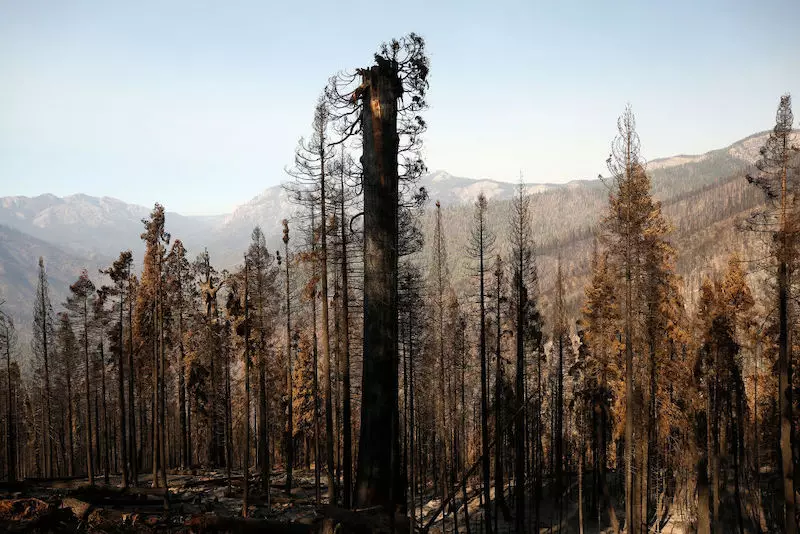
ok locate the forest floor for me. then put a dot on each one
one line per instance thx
(198, 501)
(550, 518)
(202, 501)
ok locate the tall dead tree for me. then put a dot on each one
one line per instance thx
(181, 296)
(119, 274)
(262, 310)
(523, 266)
(132, 449)
(42, 348)
(559, 338)
(378, 463)
(345, 165)
(8, 338)
(625, 225)
(289, 388)
(499, 486)
(379, 107)
(246, 334)
(779, 158)
(440, 282)
(481, 242)
(311, 187)
(78, 304)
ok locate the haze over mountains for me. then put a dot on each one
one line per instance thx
(82, 231)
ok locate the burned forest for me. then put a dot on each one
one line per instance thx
(379, 358)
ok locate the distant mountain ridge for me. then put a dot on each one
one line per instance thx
(81, 230)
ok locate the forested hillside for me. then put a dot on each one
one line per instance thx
(92, 228)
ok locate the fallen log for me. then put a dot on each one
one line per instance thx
(34, 515)
(22, 509)
(79, 508)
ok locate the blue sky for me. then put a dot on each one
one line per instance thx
(199, 105)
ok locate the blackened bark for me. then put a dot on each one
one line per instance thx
(785, 398)
(106, 441)
(121, 393)
(485, 393)
(289, 437)
(246, 482)
(326, 340)
(703, 519)
(11, 446)
(263, 439)
(499, 496)
(89, 457)
(378, 452)
(347, 436)
(132, 451)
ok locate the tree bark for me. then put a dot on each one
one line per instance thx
(289, 423)
(11, 444)
(378, 466)
(499, 487)
(703, 519)
(326, 341)
(246, 483)
(785, 398)
(347, 436)
(121, 393)
(106, 451)
(132, 450)
(485, 394)
(89, 456)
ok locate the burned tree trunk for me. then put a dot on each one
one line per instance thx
(121, 392)
(346, 405)
(378, 465)
(246, 477)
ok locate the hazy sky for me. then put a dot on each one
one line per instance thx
(199, 105)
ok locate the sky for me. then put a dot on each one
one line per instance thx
(199, 105)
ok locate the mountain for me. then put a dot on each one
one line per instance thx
(452, 190)
(91, 226)
(19, 260)
(702, 194)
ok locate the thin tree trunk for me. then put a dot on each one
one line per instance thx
(785, 399)
(121, 394)
(263, 436)
(48, 394)
(246, 482)
(162, 422)
(70, 431)
(185, 455)
(412, 429)
(132, 449)
(106, 441)
(154, 402)
(289, 423)
(346, 408)
(484, 396)
(11, 446)
(581, 460)
(326, 342)
(499, 488)
(89, 458)
(703, 519)
(228, 418)
(315, 392)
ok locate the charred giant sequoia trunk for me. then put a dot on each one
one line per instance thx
(378, 453)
